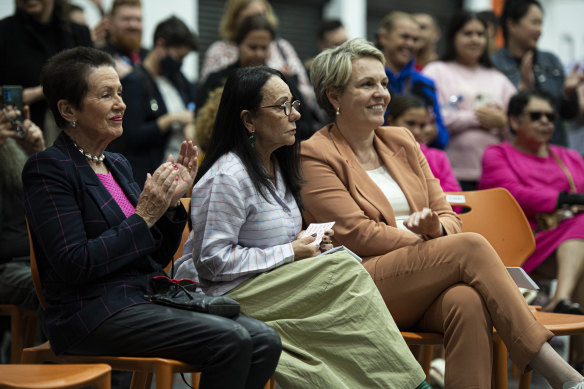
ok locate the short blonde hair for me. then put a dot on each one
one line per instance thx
(332, 68)
(228, 25)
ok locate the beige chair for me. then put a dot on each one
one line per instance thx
(97, 376)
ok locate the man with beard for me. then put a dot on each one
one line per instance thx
(125, 35)
(159, 101)
(16, 286)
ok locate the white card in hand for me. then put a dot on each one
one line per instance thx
(318, 229)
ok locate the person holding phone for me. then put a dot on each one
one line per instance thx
(15, 147)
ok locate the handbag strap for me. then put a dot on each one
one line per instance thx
(566, 171)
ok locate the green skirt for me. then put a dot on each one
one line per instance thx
(335, 328)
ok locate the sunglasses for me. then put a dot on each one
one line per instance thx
(536, 115)
(286, 106)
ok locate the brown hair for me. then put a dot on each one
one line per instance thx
(122, 3)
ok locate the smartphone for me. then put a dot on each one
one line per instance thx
(12, 95)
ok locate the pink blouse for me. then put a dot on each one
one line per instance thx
(117, 193)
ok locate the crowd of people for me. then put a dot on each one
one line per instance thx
(110, 135)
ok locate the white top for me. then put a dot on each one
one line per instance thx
(394, 194)
(237, 233)
(174, 103)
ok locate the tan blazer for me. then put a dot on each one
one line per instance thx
(338, 189)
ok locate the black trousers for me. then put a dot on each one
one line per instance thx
(233, 353)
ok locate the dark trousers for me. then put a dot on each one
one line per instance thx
(233, 353)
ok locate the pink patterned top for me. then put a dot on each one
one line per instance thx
(117, 193)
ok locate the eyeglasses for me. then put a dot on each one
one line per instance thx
(536, 115)
(286, 106)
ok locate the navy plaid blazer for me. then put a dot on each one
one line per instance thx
(92, 260)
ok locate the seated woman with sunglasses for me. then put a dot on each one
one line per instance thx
(545, 179)
(246, 243)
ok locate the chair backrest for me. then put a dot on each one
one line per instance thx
(36, 278)
(496, 215)
(186, 202)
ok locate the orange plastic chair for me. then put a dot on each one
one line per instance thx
(495, 214)
(97, 376)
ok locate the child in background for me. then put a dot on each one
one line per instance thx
(411, 112)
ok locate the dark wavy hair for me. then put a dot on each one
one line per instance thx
(456, 23)
(514, 10)
(64, 76)
(243, 91)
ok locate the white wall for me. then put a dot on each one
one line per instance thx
(154, 12)
(351, 13)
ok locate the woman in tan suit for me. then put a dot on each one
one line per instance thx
(376, 184)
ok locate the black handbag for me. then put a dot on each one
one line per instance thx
(181, 294)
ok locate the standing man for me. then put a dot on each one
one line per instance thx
(159, 100)
(125, 35)
(398, 38)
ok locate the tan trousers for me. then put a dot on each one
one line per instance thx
(458, 286)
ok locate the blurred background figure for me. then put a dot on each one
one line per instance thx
(36, 31)
(253, 38)
(412, 113)
(398, 39)
(548, 180)
(16, 286)
(282, 56)
(428, 39)
(473, 96)
(528, 67)
(331, 33)
(160, 101)
(124, 38)
(492, 22)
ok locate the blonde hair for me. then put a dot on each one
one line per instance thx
(205, 120)
(332, 68)
(229, 24)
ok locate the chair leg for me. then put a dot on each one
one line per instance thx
(196, 378)
(499, 363)
(103, 382)
(271, 384)
(16, 335)
(164, 377)
(427, 355)
(525, 380)
(141, 380)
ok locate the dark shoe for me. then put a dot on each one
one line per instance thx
(566, 306)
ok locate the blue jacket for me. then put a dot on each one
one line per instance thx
(411, 82)
(92, 260)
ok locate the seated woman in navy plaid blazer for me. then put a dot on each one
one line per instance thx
(99, 240)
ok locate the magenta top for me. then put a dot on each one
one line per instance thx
(117, 193)
(536, 182)
(441, 168)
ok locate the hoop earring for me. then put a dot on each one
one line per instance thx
(74, 124)
(251, 138)
(338, 111)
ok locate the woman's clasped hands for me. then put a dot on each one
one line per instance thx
(306, 248)
(425, 222)
(168, 184)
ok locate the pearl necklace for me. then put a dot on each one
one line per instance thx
(91, 157)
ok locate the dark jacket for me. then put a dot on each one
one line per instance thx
(25, 46)
(549, 76)
(92, 260)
